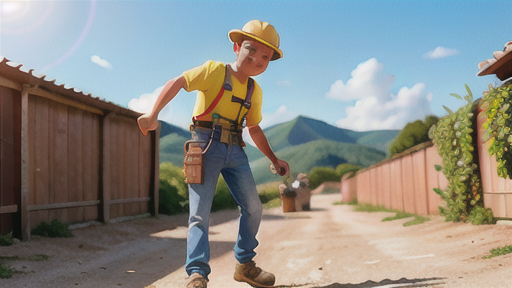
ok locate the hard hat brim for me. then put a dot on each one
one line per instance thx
(236, 34)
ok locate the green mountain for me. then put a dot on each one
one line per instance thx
(303, 130)
(318, 153)
(303, 142)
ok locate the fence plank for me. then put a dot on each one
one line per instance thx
(396, 185)
(408, 184)
(59, 159)
(434, 180)
(75, 163)
(7, 163)
(132, 156)
(386, 185)
(106, 138)
(420, 183)
(144, 168)
(90, 163)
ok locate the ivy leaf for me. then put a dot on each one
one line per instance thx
(448, 109)
(439, 192)
(469, 93)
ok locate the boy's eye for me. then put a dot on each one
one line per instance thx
(250, 49)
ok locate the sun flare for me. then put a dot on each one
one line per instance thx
(13, 9)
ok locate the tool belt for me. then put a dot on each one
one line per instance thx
(193, 161)
(229, 134)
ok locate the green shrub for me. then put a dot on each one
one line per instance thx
(173, 191)
(412, 134)
(343, 169)
(497, 104)
(319, 175)
(55, 229)
(268, 194)
(456, 139)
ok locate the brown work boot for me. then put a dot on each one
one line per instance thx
(253, 275)
(197, 281)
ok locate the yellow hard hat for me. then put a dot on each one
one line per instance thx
(261, 32)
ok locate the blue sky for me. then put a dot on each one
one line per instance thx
(360, 65)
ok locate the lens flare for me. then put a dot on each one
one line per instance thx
(12, 10)
(80, 39)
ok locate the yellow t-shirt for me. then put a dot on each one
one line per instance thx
(208, 79)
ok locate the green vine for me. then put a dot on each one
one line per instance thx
(456, 138)
(497, 104)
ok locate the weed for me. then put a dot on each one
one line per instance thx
(399, 214)
(55, 229)
(35, 258)
(6, 240)
(353, 203)
(499, 251)
(5, 271)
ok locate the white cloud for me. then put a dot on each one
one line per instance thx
(376, 107)
(440, 52)
(173, 112)
(367, 79)
(101, 62)
(281, 115)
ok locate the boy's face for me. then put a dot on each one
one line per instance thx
(253, 57)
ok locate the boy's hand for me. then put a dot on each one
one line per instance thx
(281, 167)
(147, 123)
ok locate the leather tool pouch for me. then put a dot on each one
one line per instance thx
(193, 163)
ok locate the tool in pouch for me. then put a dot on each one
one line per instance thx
(193, 161)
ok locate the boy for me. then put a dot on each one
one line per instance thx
(227, 100)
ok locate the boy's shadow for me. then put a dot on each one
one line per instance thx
(427, 282)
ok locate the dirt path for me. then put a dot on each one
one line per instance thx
(331, 246)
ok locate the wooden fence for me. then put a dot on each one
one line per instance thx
(404, 182)
(76, 158)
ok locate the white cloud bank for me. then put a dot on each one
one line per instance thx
(101, 62)
(440, 52)
(376, 108)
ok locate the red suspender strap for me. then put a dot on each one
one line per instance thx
(214, 103)
(226, 85)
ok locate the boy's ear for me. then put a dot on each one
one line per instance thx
(236, 47)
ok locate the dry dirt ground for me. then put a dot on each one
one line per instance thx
(331, 246)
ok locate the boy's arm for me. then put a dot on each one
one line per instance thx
(149, 121)
(261, 142)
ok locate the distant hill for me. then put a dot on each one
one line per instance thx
(318, 153)
(303, 130)
(303, 142)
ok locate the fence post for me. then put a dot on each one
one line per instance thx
(106, 167)
(25, 212)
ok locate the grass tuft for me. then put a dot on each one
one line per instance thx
(399, 214)
(499, 251)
